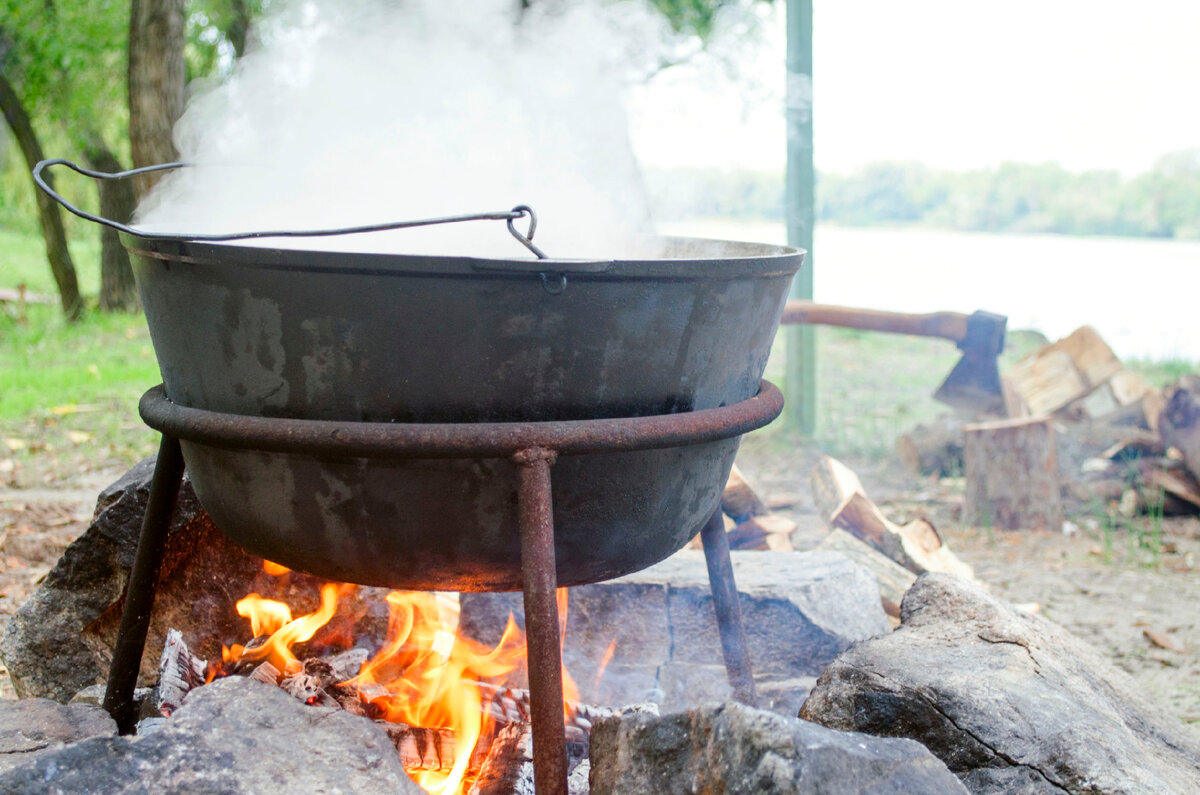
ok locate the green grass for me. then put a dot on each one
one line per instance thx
(23, 261)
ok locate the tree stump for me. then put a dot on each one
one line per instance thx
(1012, 474)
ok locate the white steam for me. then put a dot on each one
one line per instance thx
(353, 113)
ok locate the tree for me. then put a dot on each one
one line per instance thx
(156, 82)
(49, 216)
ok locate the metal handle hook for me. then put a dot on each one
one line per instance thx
(520, 211)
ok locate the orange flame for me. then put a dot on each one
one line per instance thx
(274, 569)
(423, 677)
(604, 661)
(426, 674)
(268, 616)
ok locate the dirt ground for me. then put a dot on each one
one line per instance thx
(1130, 590)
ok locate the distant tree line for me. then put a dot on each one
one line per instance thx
(1163, 202)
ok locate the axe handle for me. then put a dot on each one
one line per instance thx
(948, 325)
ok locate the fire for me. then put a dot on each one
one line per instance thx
(426, 675)
(275, 618)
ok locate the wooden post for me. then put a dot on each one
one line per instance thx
(1012, 474)
(800, 380)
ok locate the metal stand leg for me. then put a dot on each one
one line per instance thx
(729, 612)
(139, 598)
(542, 641)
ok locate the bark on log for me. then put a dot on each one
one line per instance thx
(510, 750)
(1012, 475)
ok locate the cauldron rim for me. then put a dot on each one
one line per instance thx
(734, 259)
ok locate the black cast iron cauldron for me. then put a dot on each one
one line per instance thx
(300, 334)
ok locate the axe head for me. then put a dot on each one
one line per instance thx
(973, 386)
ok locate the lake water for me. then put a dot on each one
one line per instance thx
(1143, 296)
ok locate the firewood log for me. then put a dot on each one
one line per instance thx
(1012, 474)
(1179, 422)
(739, 499)
(178, 672)
(894, 580)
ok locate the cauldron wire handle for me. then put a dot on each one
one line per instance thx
(509, 216)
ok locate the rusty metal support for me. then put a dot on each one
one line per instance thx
(543, 645)
(139, 597)
(398, 440)
(728, 610)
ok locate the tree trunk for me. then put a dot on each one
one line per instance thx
(239, 27)
(118, 292)
(48, 213)
(156, 82)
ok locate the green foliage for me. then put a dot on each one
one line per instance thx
(696, 17)
(1021, 197)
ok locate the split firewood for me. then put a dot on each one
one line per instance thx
(935, 448)
(178, 672)
(1011, 469)
(894, 580)
(1065, 371)
(422, 748)
(739, 499)
(916, 546)
(763, 532)
(1179, 422)
(510, 750)
(832, 484)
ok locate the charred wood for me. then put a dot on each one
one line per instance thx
(178, 672)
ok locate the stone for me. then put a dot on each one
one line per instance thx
(232, 736)
(1009, 701)
(60, 641)
(734, 748)
(800, 610)
(34, 726)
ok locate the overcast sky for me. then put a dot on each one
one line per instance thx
(955, 83)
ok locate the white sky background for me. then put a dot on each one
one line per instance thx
(952, 83)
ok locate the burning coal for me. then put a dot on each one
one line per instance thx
(367, 112)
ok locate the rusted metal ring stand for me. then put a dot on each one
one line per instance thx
(533, 446)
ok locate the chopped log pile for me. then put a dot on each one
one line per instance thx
(1081, 429)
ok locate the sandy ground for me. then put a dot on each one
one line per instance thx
(1130, 592)
(1134, 601)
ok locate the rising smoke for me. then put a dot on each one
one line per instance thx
(350, 113)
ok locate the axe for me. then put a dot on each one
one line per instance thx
(973, 386)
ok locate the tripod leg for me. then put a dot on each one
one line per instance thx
(542, 641)
(729, 612)
(139, 598)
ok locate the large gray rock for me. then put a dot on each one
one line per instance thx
(34, 726)
(1010, 702)
(233, 736)
(735, 749)
(60, 641)
(800, 610)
